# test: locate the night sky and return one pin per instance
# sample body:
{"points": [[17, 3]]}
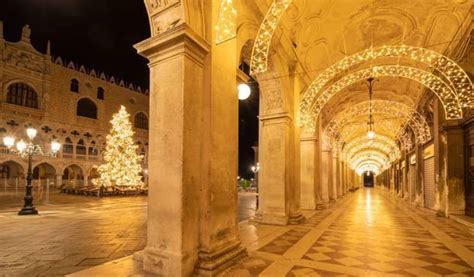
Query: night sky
{"points": [[100, 34]]}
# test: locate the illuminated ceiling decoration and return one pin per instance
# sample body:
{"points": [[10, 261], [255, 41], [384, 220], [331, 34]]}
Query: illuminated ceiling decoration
{"points": [[309, 114], [227, 22], [342, 127], [383, 143], [261, 48], [369, 155], [368, 167]]}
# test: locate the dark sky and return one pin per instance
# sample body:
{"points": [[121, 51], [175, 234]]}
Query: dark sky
{"points": [[96, 33], [100, 34]]}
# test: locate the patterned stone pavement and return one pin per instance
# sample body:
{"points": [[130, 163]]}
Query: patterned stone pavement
{"points": [[71, 237], [74, 232], [368, 233]]}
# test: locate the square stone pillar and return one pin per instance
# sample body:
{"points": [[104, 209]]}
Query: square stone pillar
{"points": [[277, 171], [452, 187], [337, 176], [419, 197], [309, 175], [192, 207], [326, 163]]}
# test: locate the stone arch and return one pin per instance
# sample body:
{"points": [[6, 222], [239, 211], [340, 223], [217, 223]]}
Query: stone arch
{"points": [[311, 106], [16, 169], [411, 117], [73, 174], [44, 170]]}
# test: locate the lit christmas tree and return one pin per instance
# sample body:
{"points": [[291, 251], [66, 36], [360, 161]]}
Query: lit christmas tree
{"points": [[121, 165]]}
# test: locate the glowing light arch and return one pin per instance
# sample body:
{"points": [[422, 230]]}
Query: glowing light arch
{"points": [[261, 48], [226, 22], [382, 160], [384, 143], [339, 129], [453, 110]]}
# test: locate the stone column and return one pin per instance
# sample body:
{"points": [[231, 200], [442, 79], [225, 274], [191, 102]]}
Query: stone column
{"points": [[419, 197], [192, 207], [337, 175], [333, 193], [276, 169], [309, 175], [59, 180], [452, 168], [326, 162]]}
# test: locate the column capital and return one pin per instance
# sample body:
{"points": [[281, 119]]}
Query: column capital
{"points": [[178, 40], [450, 126], [309, 138], [277, 118]]}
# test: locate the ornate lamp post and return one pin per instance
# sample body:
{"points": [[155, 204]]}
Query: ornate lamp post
{"points": [[28, 150], [255, 169]]}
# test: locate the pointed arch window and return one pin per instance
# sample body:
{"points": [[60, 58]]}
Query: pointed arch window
{"points": [[68, 147], [80, 147], [22, 94]]}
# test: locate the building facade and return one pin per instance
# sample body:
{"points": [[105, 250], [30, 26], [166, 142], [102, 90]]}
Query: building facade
{"points": [[64, 102]]}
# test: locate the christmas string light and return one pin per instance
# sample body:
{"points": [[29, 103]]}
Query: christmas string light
{"points": [[121, 165], [227, 21]]}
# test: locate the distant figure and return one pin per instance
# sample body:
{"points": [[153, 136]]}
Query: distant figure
{"points": [[25, 33]]}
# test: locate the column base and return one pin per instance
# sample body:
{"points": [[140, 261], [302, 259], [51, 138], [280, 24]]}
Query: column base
{"points": [[163, 263], [211, 264], [270, 218], [321, 206], [296, 219]]}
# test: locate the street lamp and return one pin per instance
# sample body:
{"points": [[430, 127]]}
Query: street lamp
{"points": [[255, 169], [244, 91], [27, 150]]}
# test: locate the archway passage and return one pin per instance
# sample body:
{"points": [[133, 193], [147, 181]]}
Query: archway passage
{"points": [[369, 179], [73, 175], [44, 171]]}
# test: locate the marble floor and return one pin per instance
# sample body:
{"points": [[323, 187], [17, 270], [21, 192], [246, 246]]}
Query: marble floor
{"points": [[73, 232], [367, 233]]}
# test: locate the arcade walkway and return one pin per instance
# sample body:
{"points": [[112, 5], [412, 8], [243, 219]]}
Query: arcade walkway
{"points": [[367, 233]]}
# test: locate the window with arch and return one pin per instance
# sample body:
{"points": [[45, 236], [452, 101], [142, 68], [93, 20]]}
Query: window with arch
{"points": [[68, 147], [93, 149], [74, 85], [22, 94], [86, 108], [80, 147], [100, 93], [141, 121]]}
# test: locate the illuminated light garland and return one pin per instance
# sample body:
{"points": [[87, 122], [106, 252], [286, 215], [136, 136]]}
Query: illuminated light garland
{"points": [[385, 144], [309, 113], [121, 165], [374, 156], [457, 77], [339, 129], [405, 140], [388, 150], [261, 48], [368, 167], [227, 22]]}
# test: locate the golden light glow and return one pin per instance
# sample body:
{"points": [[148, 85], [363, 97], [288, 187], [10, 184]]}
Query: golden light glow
{"points": [[227, 22], [309, 111], [121, 165], [343, 128], [261, 48]]}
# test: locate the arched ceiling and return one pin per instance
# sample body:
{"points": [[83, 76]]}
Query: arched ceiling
{"points": [[373, 32]]}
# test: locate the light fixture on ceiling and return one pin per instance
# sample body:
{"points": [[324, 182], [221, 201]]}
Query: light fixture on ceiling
{"points": [[371, 132], [244, 91]]}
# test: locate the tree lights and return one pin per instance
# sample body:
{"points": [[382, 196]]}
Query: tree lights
{"points": [[121, 165]]}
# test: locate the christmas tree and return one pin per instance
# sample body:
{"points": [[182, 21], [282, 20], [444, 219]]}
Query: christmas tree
{"points": [[121, 165]]}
